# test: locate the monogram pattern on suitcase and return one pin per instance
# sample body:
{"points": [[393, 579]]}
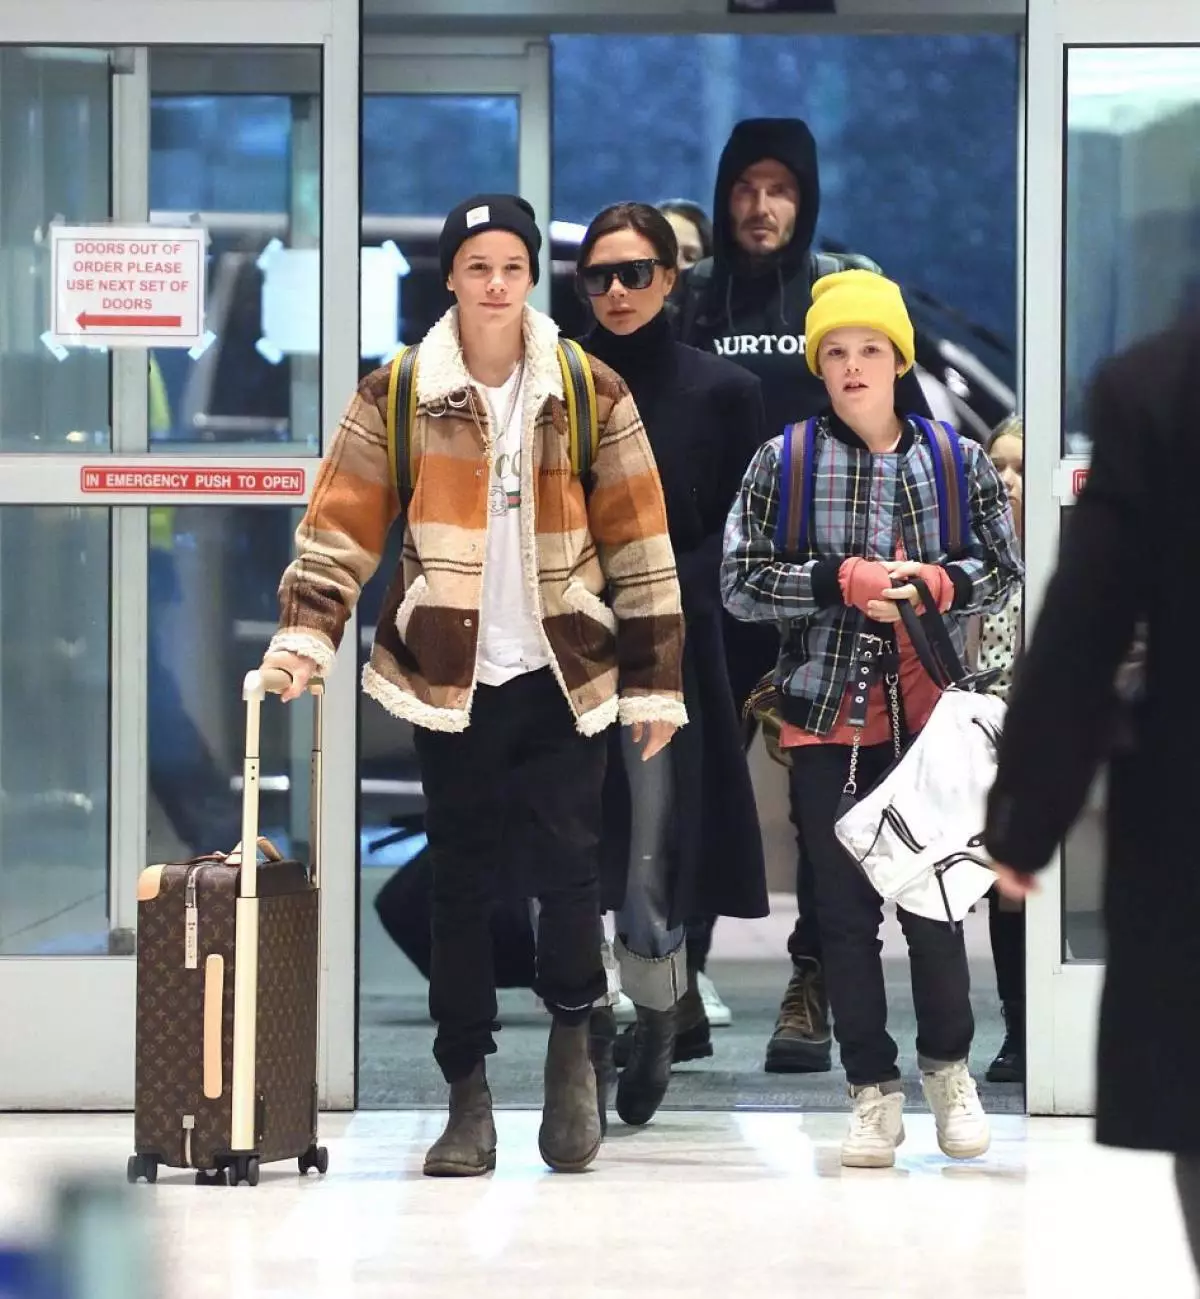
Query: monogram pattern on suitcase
{"points": [[286, 1068], [170, 1018]]}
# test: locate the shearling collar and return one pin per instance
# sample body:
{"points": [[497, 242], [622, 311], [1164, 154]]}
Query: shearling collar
{"points": [[442, 370]]}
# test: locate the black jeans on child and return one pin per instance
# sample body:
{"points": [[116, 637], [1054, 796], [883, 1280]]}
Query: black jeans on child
{"points": [[516, 795], [850, 914]]}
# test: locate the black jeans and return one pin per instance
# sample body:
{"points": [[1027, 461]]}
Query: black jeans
{"points": [[1187, 1183], [699, 941], [516, 794], [804, 942], [1007, 932], [850, 913]]}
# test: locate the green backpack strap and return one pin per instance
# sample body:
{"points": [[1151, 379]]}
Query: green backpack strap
{"points": [[401, 407], [579, 389]]}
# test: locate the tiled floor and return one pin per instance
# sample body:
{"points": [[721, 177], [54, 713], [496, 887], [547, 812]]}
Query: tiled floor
{"points": [[695, 1205]]}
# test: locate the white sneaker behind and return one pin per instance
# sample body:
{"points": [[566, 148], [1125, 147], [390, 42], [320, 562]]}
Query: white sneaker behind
{"points": [[876, 1129], [962, 1126], [718, 1013], [625, 1010]]}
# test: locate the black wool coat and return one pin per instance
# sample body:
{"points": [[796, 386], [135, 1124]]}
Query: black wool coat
{"points": [[1130, 550], [704, 417]]}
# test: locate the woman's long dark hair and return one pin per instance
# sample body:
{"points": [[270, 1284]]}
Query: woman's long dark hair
{"points": [[648, 221], [694, 213]]}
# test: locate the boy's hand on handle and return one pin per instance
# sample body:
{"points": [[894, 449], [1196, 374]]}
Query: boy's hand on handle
{"points": [[301, 670], [901, 568], [887, 609]]}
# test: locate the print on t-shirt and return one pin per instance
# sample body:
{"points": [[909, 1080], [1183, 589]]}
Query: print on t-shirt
{"points": [[505, 493]]}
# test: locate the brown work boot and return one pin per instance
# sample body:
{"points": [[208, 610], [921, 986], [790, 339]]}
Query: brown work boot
{"points": [[570, 1133], [802, 1042], [467, 1148]]}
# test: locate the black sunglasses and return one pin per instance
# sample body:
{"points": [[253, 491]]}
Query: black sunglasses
{"points": [[596, 280]]}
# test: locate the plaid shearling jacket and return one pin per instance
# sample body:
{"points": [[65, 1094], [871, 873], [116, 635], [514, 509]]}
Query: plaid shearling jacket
{"points": [[862, 505], [619, 661]]}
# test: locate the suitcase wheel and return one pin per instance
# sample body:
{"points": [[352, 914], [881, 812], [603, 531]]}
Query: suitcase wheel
{"points": [[243, 1168], [211, 1177], [140, 1166], [314, 1157]]}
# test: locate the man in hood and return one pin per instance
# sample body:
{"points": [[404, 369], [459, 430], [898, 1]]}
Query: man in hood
{"points": [[748, 302]]}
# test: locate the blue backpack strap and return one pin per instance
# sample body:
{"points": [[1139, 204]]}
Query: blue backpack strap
{"points": [[796, 486], [953, 490]]}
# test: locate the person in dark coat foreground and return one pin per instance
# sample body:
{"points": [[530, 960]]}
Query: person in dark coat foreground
{"points": [[1128, 547], [681, 834]]}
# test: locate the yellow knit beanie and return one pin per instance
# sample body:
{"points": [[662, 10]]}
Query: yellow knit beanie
{"points": [[858, 300]]}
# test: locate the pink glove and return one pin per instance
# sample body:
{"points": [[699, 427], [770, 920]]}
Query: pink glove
{"points": [[863, 580]]}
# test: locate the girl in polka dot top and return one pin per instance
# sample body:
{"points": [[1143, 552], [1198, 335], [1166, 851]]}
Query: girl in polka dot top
{"points": [[999, 635]]}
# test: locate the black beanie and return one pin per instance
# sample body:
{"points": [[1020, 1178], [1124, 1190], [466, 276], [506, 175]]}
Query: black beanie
{"points": [[490, 212]]}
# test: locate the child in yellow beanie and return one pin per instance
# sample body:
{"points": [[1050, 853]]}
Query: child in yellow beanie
{"points": [[836, 520], [860, 300]]}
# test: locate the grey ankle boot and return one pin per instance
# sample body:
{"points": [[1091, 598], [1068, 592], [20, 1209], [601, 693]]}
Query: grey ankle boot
{"points": [[467, 1148], [570, 1131]]}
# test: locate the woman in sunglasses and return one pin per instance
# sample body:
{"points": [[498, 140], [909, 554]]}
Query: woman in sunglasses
{"points": [[681, 832]]}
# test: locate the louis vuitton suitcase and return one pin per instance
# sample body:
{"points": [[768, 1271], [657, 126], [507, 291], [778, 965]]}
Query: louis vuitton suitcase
{"points": [[228, 959]]}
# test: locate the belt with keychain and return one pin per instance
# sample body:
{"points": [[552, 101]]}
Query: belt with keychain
{"points": [[876, 659]]}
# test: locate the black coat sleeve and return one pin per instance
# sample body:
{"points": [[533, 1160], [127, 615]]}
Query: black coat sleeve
{"points": [[1062, 708], [743, 429]]}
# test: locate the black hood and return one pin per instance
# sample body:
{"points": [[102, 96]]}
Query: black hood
{"points": [[789, 141]]}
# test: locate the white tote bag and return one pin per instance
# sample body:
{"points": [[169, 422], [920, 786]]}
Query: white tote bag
{"points": [[918, 834]]}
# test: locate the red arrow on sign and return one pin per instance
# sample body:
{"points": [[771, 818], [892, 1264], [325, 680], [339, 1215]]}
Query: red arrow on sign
{"points": [[83, 320]]}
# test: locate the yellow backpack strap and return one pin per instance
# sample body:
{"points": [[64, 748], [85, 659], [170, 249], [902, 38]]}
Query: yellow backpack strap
{"points": [[402, 397], [579, 388]]}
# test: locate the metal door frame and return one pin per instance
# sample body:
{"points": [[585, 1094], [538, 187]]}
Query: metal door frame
{"points": [[1063, 997], [76, 1052]]}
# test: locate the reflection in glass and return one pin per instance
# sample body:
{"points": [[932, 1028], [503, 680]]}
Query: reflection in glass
{"points": [[1132, 205], [1132, 265], [250, 165], [54, 736], [54, 163], [407, 191], [929, 193], [407, 140], [213, 574]]}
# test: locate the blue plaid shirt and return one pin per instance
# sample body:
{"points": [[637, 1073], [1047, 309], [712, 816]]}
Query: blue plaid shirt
{"points": [[866, 505]]}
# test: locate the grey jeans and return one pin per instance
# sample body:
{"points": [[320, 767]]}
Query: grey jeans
{"points": [[650, 951]]}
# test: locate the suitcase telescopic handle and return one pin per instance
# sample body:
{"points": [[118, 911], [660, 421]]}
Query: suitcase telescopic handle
{"points": [[255, 688]]}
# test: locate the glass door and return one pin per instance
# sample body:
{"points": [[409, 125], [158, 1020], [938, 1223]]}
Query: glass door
{"points": [[486, 105], [1112, 212], [147, 501]]}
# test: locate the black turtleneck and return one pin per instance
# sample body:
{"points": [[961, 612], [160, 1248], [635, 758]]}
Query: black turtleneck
{"points": [[646, 361], [703, 417]]}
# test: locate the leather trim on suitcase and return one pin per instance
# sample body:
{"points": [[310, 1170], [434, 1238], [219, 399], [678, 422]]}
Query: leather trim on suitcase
{"points": [[214, 1007]]}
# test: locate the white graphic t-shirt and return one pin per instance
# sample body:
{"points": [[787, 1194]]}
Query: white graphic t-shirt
{"points": [[510, 642]]}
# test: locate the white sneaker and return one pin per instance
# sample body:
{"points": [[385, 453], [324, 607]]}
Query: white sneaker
{"points": [[962, 1126], [625, 1010], [719, 1014], [876, 1129]]}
